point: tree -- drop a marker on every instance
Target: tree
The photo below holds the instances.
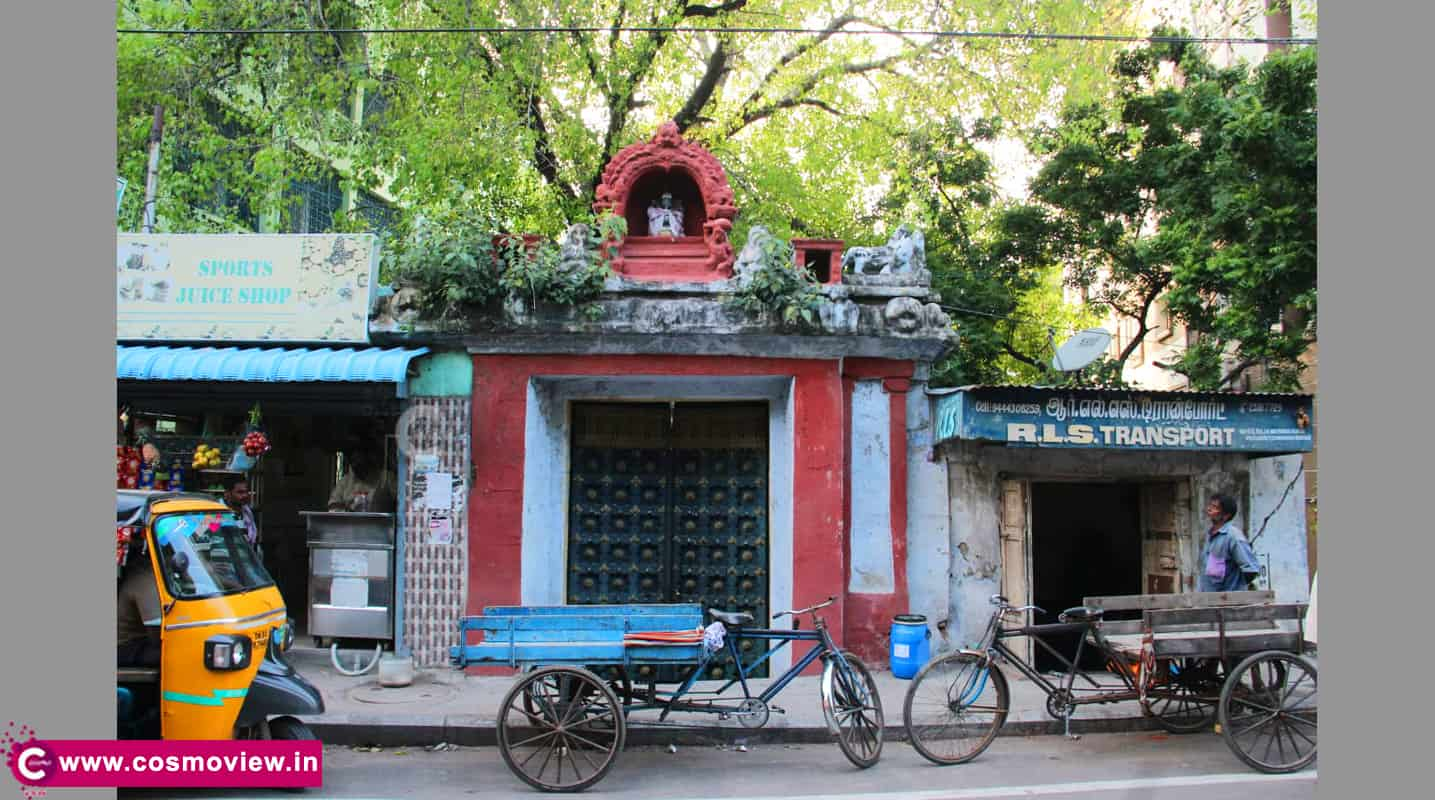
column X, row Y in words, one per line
column 1194, row 188
column 520, row 123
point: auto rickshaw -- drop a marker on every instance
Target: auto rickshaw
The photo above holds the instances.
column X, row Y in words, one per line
column 223, row 628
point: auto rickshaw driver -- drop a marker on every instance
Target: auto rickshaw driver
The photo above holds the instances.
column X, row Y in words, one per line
column 137, row 634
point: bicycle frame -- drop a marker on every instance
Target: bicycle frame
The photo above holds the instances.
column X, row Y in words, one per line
column 992, row 645
column 823, row 646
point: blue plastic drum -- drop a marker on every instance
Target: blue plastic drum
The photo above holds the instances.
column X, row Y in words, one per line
column 911, row 644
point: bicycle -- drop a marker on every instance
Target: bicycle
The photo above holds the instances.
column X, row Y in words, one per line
column 957, row 703
column 1265, row 701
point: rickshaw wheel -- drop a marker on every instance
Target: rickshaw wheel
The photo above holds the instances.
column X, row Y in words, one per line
column 560, row 729
column 290, row 729
column 1268, row 711
column 1186, row 701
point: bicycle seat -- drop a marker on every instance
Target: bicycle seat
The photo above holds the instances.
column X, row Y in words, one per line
column 1080, row 614
column 733, row 618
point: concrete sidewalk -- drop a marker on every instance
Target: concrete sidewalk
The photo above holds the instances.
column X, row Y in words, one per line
column 444, row 705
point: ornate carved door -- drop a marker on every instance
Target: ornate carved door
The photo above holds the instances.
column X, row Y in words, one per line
column 668, row 504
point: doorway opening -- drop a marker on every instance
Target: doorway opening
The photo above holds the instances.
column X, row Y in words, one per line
column 668, row 503
column 1086, row 541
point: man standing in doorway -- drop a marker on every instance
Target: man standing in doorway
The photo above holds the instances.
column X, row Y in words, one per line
column 1227, row 562
column 237, row 497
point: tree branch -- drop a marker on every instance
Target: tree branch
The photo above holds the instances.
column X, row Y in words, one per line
column 717, row 69
column 1022, row 357
column 713, row 11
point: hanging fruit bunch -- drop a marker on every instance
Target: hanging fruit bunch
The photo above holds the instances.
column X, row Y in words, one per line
column 127, row 467
column 206, row 457
column 255, row 442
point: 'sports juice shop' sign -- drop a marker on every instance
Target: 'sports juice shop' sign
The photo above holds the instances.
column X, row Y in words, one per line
column 1099, row 418
column 245, row 287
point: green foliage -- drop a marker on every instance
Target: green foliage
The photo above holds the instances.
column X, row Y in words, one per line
column 781, row 288
column 546, row 275
column 1198, row 193
column 454, row 266
column 521, row 124
column 462, row 267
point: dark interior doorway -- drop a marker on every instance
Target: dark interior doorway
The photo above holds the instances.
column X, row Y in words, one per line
column 1085, row 541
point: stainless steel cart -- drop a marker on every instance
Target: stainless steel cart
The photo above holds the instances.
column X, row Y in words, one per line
column 351, row 579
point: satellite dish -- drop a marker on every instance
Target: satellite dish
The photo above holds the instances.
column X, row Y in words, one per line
column 1081, row 349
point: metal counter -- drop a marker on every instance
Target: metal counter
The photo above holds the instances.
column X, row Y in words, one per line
column 351, row 574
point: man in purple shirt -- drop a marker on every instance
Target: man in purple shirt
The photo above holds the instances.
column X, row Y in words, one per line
column 1227, row 562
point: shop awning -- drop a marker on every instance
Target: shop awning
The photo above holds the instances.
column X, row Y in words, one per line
column 1091, row 419
column 267, row 364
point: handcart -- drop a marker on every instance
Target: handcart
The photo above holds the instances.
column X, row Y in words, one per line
column 561, row 727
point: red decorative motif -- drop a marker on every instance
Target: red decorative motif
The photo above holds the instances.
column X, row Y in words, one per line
column 637, row 175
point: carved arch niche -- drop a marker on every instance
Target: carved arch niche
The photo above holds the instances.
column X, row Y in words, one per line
column 637, row 176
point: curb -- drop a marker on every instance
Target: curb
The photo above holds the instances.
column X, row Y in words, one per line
column 356, row 730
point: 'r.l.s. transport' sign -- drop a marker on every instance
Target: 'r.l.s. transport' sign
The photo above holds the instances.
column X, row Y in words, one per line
column 245, row 287
column 1041, row 417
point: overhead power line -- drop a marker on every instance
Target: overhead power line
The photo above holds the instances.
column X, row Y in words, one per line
column 562, row 29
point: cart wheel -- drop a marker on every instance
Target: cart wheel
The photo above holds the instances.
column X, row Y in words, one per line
column 359, row 666
column 1184, row 701
column 853, row 709
column 571, row 737
column 1268, row 711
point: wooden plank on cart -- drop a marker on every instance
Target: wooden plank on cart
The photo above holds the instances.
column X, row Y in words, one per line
column 582, row 635
column 1157, row 602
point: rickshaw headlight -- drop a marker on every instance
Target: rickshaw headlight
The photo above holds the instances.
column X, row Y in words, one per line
column 283, row 636
column 226, row 652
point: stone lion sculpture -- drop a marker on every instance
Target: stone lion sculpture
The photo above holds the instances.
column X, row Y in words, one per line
column 749, row 260
column 905, row 251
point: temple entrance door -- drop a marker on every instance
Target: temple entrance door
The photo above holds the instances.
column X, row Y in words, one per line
column 668, row 504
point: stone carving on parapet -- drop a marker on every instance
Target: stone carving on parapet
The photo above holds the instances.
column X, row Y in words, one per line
column 909, row 316
column 905, row 253
column 573, row 248
column 398, row 310
column 749, row 261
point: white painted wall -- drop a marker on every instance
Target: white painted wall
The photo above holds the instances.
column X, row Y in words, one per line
column 928, row 519
column 871, row 543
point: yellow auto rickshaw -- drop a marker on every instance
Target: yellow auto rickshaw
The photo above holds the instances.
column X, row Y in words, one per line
column 219, row 672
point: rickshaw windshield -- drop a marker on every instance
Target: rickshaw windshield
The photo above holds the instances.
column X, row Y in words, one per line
column 205, row 554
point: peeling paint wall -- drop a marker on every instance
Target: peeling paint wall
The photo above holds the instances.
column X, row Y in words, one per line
column 1276, row 525
column 929, row 544
column 1270, row 490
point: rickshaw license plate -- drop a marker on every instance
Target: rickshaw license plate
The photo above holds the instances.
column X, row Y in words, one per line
column 260, row 637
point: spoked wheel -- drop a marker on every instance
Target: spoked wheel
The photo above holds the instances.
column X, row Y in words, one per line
column 1184, row 700
column 1268, row 711
column 570, row 737
column 954, row 708
column 853, row 709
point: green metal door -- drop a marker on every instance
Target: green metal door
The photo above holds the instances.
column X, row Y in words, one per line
column 668, row 504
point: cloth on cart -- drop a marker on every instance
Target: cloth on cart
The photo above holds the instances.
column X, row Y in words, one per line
column 646, row 638
column 713, row 636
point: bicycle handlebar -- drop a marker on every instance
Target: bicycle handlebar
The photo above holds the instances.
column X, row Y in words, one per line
column 825, row 603
column 1004, row 605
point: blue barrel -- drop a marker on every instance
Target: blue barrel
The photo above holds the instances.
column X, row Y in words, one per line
column 911, row 644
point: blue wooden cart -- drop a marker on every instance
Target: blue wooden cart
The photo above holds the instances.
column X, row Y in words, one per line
column 561, row 726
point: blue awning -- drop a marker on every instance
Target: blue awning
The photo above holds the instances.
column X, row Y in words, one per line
column 267, row 364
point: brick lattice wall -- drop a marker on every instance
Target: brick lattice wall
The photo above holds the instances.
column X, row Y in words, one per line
column 435, row 575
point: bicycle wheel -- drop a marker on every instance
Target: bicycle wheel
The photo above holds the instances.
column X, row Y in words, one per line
column 573, row 737
column 853, row 709
column 1184, row 701
column 1268, row 711
column 954, row 708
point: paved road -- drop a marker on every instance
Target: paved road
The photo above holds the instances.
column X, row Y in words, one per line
column 1135, row 765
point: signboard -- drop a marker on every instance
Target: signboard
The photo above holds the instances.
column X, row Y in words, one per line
column 245, row 287
column 119, row 193
column 1134, row 420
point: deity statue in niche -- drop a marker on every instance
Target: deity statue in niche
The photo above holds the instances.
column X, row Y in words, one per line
column 664, row 219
